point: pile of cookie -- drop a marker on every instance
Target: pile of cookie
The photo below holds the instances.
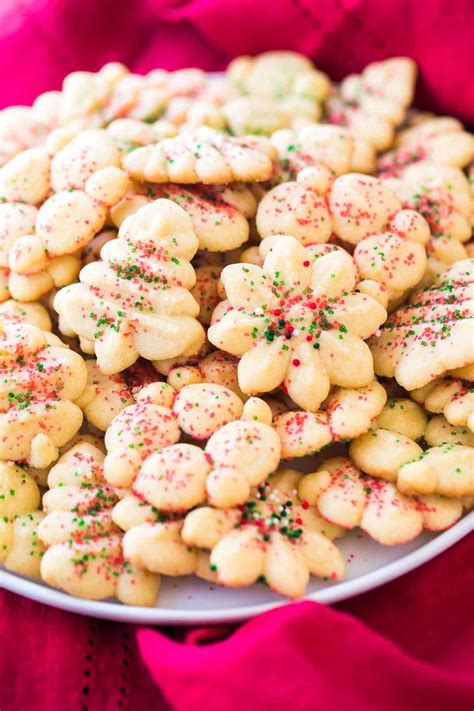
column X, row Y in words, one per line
column 235, row 324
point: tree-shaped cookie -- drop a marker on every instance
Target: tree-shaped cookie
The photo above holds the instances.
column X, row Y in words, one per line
column 20, row 547
column 348, row 498
column 202, row 156
column 430, row 335
column 274, row 536
column 136, row 300
column 84, row 547
column 40, row 379
column 373, row 103
column 296, row 321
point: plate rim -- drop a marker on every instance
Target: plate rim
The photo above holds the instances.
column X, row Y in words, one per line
column 163, row 616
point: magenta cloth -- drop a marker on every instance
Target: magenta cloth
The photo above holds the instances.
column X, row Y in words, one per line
column 42, row 40
column 407, row 646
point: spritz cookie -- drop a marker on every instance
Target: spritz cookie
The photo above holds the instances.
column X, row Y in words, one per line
column 20, row 548
column 104, row 396
column 447, row 469
column 274, row 538
column 136, row 300
column 202, row 156
column 219, row 213
column 441, row 140
column 430, row 335
column 287, row 78
column 315, row 144
column 442, row 195
column 440, row 431
column 453, row 398
column 373, row 103
column 41, row 378
column 216, row 367
column 346, row 497
column 41, row 252
column 84, row 547
column 345, row 414
column 144, row 453
column 359, row 210
column 26, row 177
column 297, row 322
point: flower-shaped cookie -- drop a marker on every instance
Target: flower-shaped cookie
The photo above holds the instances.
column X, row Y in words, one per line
column 288, row 78
column 273, row 536
column 358, row 209
column 297, row 321
column 347, row 498
column 441, row 140
column 453, row 398
column 136, row 300
column 430, row 335
column 20, row 547
column 40, row 251
column 84, row 547
column 40, row 377
column 143, row 449
column 202, row 156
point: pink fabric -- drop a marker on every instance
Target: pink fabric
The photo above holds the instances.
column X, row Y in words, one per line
column 407, row 645
column 42, row 40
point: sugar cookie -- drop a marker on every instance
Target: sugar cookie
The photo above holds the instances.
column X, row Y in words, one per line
column 431, row 335
column 290, row 327
column 201, row 156
column 274, row 537
column 136, row 301
column 347, row 498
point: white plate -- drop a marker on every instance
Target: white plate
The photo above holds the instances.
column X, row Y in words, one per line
column 188, row 600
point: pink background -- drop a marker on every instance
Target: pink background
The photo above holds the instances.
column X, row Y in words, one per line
column 42, row 40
